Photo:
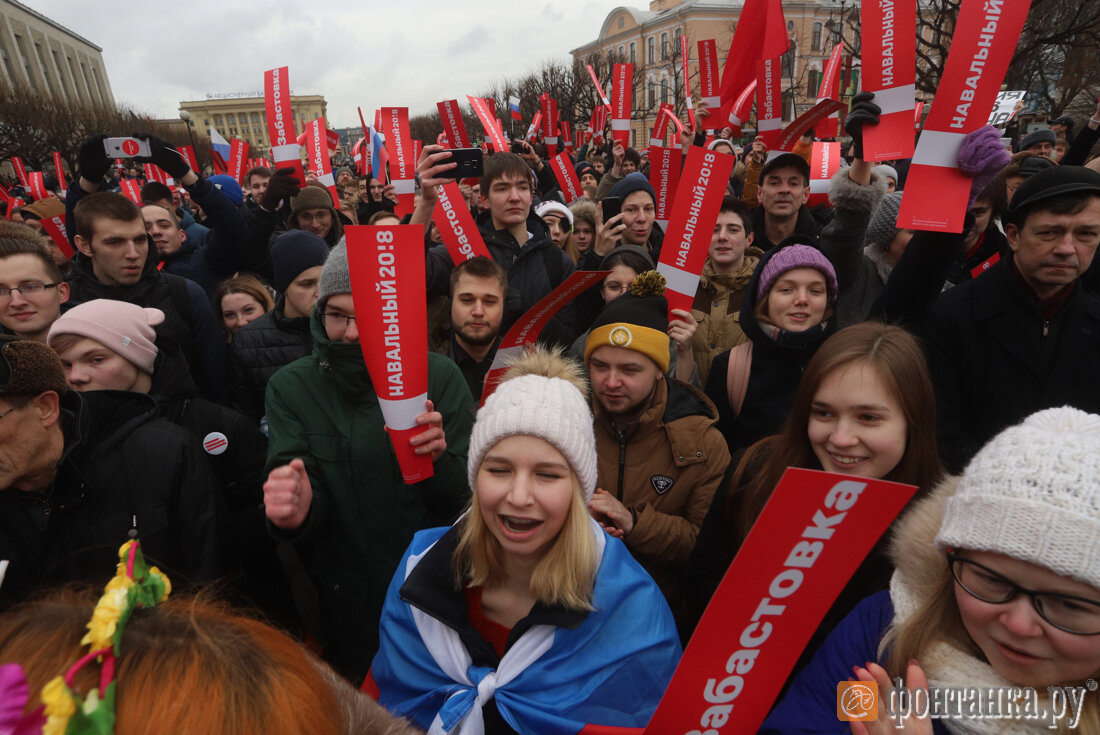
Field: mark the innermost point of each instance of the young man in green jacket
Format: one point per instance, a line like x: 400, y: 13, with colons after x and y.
x: 334, y: 487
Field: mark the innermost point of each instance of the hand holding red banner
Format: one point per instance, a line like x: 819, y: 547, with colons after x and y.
x: 527, y: 330
x: 691, y: 224
x: 808, y: 541
x: 456, y: 224
x: 319, y: 161
x: 387, y: 284
x: 395, y: 123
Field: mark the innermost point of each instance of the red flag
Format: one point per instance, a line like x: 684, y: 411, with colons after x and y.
x: 761, y: 33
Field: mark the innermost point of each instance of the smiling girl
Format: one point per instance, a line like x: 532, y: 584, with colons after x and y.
x: 525, y: 616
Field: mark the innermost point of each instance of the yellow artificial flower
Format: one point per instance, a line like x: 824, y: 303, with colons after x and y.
x: 101, y: 628
x: 163, y: 578
x: 59, y: 706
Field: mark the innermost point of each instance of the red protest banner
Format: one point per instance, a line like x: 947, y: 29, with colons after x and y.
x: 280, y: 122
x: 805, y: 121
x: 188, y: 154
x: 154, y: 172
x: 830, y: 90
x: 55, y: 228
x: 598, y: 123
x: 567, y: 135
x: 333, y: 139
x: 319, y: 161
x: 456, y: 225
x: 660, y: 126
x: 709, y: 88
x: 131, y: 190
x: 936, y: 192
x: 450, y: 114
x: 741, y: 108
x: 599, y: 88
x: 889, y: 31
x: 395, y: 123
x: 37, y: 185
x: 622, y: 82
x: 824, y: 162
x: 530, y: 325
x: 387, y: 285
x: 489, y: 124
x: 690, y: 225
x: 238, y: 151
x: 687, y: 81
x: 918, y: 111
x: 20, y: 171
x: 570, y: 183
x: 769, y: 100
x: 549, y: 129
x: 59, y: 170
x: 812, y: 535
x: 664, y: 176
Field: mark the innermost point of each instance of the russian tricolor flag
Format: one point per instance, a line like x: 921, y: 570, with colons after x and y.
x: 513, y: 105
x: 220, y: 148
x: 379, y: 156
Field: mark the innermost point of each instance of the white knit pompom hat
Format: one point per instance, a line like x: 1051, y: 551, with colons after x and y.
x: 1033, y: 493
x: 533, y: 404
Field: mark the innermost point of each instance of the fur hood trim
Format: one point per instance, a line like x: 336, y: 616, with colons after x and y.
x: 918, y: 564
x: 843, y: 192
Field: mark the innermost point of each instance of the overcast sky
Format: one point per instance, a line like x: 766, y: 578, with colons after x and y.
x: 409, y: 53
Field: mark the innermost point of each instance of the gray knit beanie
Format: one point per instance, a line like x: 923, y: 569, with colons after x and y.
x: 884, y: 222
x: 1033, y: 493
x: 335, y: 276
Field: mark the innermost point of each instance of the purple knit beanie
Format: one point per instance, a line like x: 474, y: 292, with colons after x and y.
x: 119, y: 326
x: 796, y: 256
x: 982, y: 156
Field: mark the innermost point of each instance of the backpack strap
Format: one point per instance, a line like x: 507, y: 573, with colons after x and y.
x: 737, y: 375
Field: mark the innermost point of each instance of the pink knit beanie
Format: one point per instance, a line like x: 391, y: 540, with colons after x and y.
x: 119, y: 326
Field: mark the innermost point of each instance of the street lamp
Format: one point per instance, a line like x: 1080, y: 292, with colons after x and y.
x: 186, y: 117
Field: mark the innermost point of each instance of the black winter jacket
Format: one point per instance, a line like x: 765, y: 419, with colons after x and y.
x: 121, y: 468
x: 258, y: 351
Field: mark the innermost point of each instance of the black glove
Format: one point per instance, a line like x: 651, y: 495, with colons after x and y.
x: 862, y: 112
x: 281, y: 186
x: 164, y: 155
x: 93, y: 159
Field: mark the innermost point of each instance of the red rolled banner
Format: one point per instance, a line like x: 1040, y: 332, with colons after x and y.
x: 664, y: 176
x: 154, y: 172
x: 687, y: 82
x: 238, y: 151
x: 450, y: 114
x: 566, y: 174
x: 395, y: 124
x: 824, y: 162
x: 536, y: 121
x: 20, y: 171
x: 598, y: 123
x: 812, y: 535
x: 131, y: 190
x: 280, y: 122
x: 549, y: 129
x: 55, y: 228
x: 37, y: 185
x: 829, y: 89
x: 889, y: 63
x: 622, y: 83
x: 319, y: 161
x: 769, y: 100
x: 936, y: 192
x: 530, y: 325
x: 709, y: 87
x: 599, y: 87
x: 489, y: 124
x: 741, y: 108
x: 388, y: 287
x: 188, y: 154
x: 567, y: 135
x: 699, y: 195
x: 456, y: 225
x: 805, y: 121
x: 660, y: 126
x: 59, y: 170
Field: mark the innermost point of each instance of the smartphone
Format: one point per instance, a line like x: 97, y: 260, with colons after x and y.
x: 469, y: 162
x: 126, y: 147
x: 518, y: 147
x: 611, y: 207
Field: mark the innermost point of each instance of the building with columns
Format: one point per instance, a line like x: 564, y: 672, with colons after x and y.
x: 243, y: 116
x: 50, y: 59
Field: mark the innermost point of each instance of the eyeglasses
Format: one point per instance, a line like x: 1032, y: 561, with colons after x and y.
x: 334, y: 319
x: 1070, y: 613
x: 30, y: 289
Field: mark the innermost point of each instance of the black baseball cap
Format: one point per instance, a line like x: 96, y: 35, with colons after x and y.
x: 787, y: 160
x: 1050, y: 183
x: 1063, y: 120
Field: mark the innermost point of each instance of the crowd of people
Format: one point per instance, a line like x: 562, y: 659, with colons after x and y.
x: 193, y: 377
